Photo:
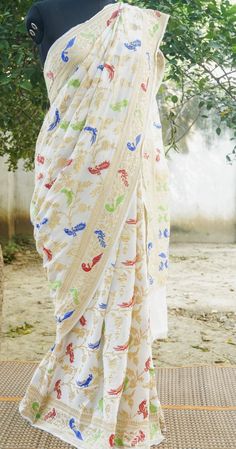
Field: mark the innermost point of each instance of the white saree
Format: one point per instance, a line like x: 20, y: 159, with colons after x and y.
x: 100, y: 211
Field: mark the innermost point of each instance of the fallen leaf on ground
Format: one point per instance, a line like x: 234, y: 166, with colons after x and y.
x: 202, y: 348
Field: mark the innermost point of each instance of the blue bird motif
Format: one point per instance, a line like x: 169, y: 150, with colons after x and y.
x: 94, y: 345
x: 101, y: 237
x: 56, y: 120
x: 64, y: 53
x: 132, y: 146
x: 86, y: 382
x: 65, y: 316
x: 163, y: 265
x: 150, y: 246
x: 101, y: 66
x: 44, y: 221
x: 164, y: 262
x: 157, y: 125
x: 93, y: 131
x: 164, y: 233
x: 102, y: 305
x: 53, y: 347
x: 133, y: 45
x: 163, y: 255
x: 73, y: 231
x: 73, y: 427
x: 150, y: 279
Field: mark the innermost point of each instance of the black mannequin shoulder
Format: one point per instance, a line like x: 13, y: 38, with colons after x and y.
x: 34, y: 24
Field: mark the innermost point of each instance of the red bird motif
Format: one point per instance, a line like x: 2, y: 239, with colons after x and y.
x: 158, y: 157
x: 87, y: 267
x: 50, y: 75
x: 138, y: 438
x: 70, y: 352
x: 127, y: 304
x: 40, y: 176
x: 40, y: 159
x: 131, y: 221
x: 124, y: 176
x: 48, y: 252
x: 129, y: 263
x: 57, y: 388
x: 143, y: 408
x: 113, y: 16
x: 50, y: 414
x: 144, y: 86
x: 97, y: 169
x: 49, y: 184
x: 121, y: 347
x: 82, y: 320
x: 111, y: 70
x: 69, y: 161
x: 147, y: 364
x: 116, y: 391
x: 112, y: 439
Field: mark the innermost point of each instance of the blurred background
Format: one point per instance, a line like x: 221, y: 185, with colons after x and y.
x: 198, y: 117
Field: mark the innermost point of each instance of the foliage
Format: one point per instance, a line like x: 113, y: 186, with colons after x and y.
x: 200, y: 50
x: 16, y: 331
x: 17, y: 244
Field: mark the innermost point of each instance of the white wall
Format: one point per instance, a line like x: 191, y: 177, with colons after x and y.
x: 202, y: 192
x: 203, y: 189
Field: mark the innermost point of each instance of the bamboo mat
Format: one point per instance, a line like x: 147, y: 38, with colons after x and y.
x: 199, y: 404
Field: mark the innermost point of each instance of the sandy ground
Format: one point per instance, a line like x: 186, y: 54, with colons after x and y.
x: 201, y: 301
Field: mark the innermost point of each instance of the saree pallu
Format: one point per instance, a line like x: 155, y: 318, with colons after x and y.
x: 100, y: 210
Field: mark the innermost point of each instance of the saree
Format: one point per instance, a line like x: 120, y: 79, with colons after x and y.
x: 100, y: 211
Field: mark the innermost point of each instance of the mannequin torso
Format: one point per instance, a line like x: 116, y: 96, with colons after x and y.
x: 47, y: 20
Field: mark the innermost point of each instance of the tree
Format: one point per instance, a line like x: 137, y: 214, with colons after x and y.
x: 200, y: 50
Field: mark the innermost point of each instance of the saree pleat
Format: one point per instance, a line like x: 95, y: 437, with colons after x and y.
x: 101, y: 224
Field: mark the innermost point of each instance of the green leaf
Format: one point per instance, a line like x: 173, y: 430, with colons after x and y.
x: 174, y: 98
x: 218, y: 131
x: 201, y: 103
x: 25, y: 85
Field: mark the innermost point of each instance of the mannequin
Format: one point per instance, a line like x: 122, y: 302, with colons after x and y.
x: 47, y: 20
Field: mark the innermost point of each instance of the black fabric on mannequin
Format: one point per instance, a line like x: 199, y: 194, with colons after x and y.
x: 47, y: 20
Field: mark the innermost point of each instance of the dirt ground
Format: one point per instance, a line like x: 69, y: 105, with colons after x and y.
x: 201, y: 302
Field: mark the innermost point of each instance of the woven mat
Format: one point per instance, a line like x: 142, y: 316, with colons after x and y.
x: 199, y: 404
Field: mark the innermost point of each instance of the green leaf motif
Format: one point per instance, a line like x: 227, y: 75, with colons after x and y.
x: 69, y: 195
x: 54, y: 285
x: 118, y: 442
x: 153, y: 408
x: 154, y: 429
x: 112, y: 207
x: 74, y: 83
x: 126, y: 381
x: 100, y: 404
x: 64, y: 125
x: 75, y: 294
x: 118, y: 106
x: 35, y: 406
x: 78, y: 126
